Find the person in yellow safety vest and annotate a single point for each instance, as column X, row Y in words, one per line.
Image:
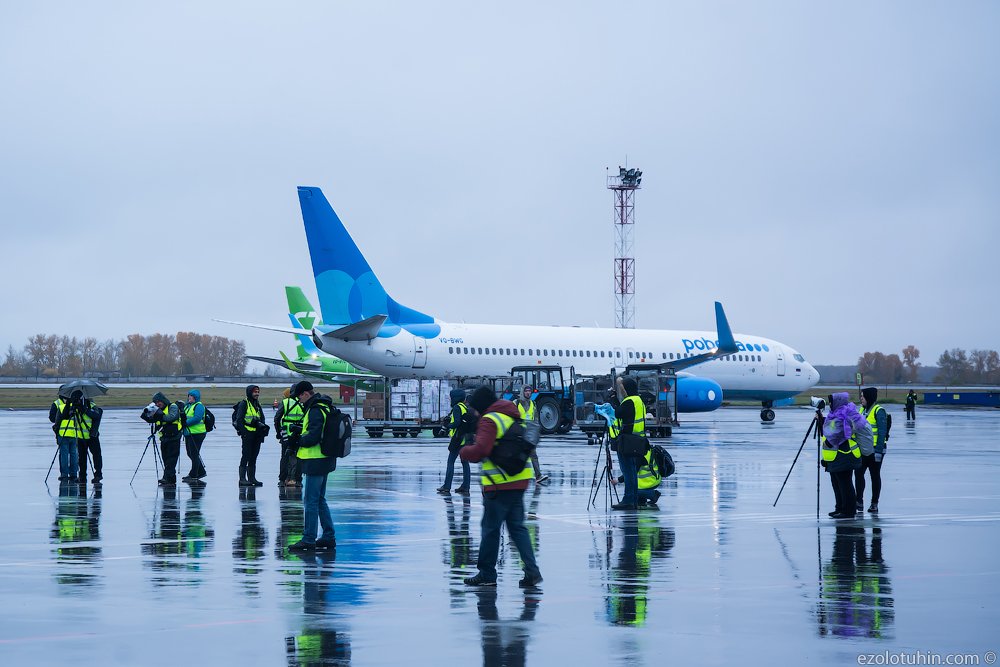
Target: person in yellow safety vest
column 252, row 429
column 65, row 417
column 911, row 406
column 503, row 495
column 316, row 468
column 194, row 435
column 876, row 416
column 461, row 425
column 649, row 479
column 526, row 408
column 630, row 417
column 89, row 441
column 166, row 418
column 840, row 452
column 289, row 414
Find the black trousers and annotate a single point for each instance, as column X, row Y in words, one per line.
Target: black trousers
column 875, row 468
column 911, row 413
column 288, row 468
column 192, row 444
column 843, row 491
column 170, row 451
column 93, row 445
column 248, row 460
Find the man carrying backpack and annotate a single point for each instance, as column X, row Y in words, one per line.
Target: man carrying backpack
column 194, row 435
column 459, row 433
column 315, row 466
column 252, row 429
column 166, row 418
column 503, row 495
column 878, row 419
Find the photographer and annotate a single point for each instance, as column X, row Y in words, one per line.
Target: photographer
column 461, row 426
column 64, row 415
column 840, row 451
column 165, row 417
column 89, row 440
column 316, row 466
column 630, row 417
column 289, row 415
column 252, row 429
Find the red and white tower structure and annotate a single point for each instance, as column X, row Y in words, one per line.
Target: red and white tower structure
column 623, row 186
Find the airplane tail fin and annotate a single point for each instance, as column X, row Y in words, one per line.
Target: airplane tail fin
column 299, row 306
column 304, row 347
column 349, row 291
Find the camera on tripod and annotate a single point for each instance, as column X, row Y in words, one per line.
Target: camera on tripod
column 817, row 402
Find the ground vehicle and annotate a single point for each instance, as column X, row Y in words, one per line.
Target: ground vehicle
column 656, row 389
column 552, row 396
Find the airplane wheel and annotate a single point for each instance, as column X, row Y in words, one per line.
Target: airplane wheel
column 548, row 415
column 767, row 415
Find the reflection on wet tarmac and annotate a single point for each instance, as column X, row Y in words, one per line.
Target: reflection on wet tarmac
column 505, row 641
column 76, row 534
column 249, row 543
column 855, row 594
column 642, row 540
column 459, row 551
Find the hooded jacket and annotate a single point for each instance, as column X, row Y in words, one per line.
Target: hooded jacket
column 198, row 416
column 241, row 411
column 313, row 436
column 839, row 427
column 486, row 437
column 166, row 416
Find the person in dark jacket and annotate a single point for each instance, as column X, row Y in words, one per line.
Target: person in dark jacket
column 630, row 417
column 90, row 441
column 461, row 427
column 252, row 429
column 316, row 468
column 503, row 495
column 841, row 455
column 911, row 406
column 289, row 413
column 166, row 418
column 879, row 421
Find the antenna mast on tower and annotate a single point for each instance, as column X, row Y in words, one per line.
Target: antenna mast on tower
column 623, row 186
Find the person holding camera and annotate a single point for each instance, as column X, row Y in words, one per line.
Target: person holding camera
column 841, row 453
column 307, row 437
column 630, row 418
column 252, row 429
column 503, row 495
column 165, row 417
column 194, row 435
column 65, row 418
column 89, row 440
column 289, row 414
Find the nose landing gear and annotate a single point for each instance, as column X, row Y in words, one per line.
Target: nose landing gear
column 766, row 413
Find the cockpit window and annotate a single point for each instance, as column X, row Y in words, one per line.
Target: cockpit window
column 799, row 358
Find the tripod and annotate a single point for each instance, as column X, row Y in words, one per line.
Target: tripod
column 606, row 476
column 817, row 424
column 156, row 454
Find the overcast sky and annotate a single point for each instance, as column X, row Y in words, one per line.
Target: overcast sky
column 829, row 171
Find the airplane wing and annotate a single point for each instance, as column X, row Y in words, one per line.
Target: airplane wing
column 288, row 330
column 727, row 345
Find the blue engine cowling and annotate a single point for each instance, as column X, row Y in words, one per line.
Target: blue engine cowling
column 698, row 394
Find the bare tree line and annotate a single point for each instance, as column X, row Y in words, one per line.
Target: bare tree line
column 955, row 366
column 183, row 353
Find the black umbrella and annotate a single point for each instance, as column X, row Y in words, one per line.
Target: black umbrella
column 89, row 388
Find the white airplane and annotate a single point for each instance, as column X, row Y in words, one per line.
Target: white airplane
column 368, row 328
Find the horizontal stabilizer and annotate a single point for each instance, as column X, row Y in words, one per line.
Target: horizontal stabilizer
column 294, row 366
column 365, row 330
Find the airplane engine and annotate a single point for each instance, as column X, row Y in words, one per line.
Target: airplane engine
column 698, row 394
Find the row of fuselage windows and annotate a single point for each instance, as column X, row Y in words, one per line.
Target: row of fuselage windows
column 640, row 356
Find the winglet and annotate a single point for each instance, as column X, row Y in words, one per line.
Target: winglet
column 365, row 330
column 727, row 344
column 288, row 362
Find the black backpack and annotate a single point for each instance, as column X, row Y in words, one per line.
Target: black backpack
column 663, row 461
column 236, row 424
column 512, row 451
column 888, row 424
column 336, row 442
column 209, row 420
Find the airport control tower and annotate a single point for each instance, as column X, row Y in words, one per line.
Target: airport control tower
column 624, row 186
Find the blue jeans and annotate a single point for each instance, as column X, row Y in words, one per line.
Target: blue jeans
column 630, row 471
column 501, row 507
column 315, row 509
column 69, row 464
column 646, row 495
column 450, row 471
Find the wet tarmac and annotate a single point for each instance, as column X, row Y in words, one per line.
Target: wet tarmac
column 136, row 575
